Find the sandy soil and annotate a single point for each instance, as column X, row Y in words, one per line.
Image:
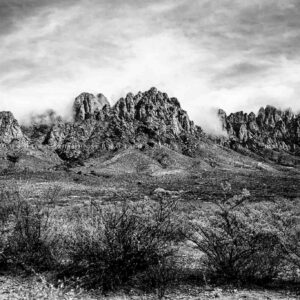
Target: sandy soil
column 35, row 288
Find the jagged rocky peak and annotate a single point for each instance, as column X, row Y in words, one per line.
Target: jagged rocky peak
column 267, row 116
column 10, row 131
column 151, row 107
column 222, row 116
column 271, row 115
column 146, row 118
column 154, row 108
column 87, row 105
column 271, row 129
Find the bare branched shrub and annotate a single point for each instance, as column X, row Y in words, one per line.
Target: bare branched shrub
column 285, row 217
column 8, row 199
column 236, row 238
column 120, row 241
column 30, row 242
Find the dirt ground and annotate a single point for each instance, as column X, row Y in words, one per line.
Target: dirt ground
column 19, row 288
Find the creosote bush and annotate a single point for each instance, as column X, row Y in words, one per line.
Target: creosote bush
column 285, row 217
column 121, row 241
column 29, row 241
column 237, row 239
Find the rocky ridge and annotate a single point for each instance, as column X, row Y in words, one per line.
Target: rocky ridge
column 147, row 119
column 271, row 133
column 139, row 120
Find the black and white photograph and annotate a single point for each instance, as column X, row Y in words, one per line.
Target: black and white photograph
column 150, row 149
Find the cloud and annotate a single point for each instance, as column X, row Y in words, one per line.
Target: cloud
column 235, row 55
column 245, row 69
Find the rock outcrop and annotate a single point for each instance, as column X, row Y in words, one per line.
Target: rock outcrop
column 270, row 133
column 87, row 105
column 147, row 119
column 11, row 135
column 142, row 119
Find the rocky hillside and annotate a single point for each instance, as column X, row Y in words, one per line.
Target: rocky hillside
column 139, row 120
column 148, row 119
column 272, row 133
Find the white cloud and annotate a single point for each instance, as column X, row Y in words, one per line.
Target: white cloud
column 113, row 48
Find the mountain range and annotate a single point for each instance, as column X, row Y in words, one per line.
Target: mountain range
column 145, row 121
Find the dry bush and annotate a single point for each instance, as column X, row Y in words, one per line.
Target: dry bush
column 103, row 245
column 29, row 241
column 7, row 200
column 121, row 241
column 285, row 217
column 237, row 239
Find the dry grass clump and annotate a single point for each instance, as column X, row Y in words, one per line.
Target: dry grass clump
column 37, row 287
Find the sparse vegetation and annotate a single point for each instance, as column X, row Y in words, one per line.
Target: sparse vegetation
column 108, row 245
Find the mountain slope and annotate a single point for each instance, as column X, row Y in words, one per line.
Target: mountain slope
column 272, row 133
column 157, row 133
column 146, row 118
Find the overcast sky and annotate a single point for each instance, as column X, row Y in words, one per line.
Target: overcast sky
column 235, row 54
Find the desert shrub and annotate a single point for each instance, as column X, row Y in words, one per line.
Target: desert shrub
column 285, row 217
column 121, row 241
column 6, row 209
column 30, row 242
column 237, row 239
column 7, row 204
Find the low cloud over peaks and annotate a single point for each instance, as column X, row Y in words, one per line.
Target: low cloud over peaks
column 236, row 55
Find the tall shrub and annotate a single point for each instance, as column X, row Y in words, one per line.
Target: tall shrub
column 236, row 239
column 121, row 241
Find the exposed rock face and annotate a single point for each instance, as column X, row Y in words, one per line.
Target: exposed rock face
column 11, row 134
column 270, row 133
column 145, row 118
column 87, row 105
column 40, row 125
